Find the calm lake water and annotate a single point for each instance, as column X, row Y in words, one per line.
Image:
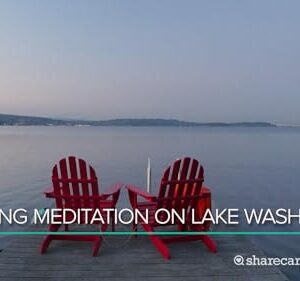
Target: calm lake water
column 245, row 167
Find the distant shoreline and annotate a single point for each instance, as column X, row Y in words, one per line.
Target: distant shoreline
column 19, row 120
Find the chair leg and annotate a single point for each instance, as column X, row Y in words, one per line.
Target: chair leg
column 113, row 227
column 181, row 227
column 210, row 244
column 98, row 240
column 45, row 244
column 97, row 245
column 48, row 239
column 158, row 243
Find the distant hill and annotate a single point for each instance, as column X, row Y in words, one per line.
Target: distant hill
column 18, row 120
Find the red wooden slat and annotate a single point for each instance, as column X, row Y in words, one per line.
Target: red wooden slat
column 192, row 176
column 56, row 187
column 181, row 184
column 84, row 185
column 194, row 168
column 65, row 186
column 94, row 187
column 74, row 183
column 162, row 189
column 74, row 176
column 94, row 181
column 193, row 173
column 188, row 189
column 197, row 187
column 171, row 187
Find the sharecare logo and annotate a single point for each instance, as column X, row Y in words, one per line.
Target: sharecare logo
column 265, row 261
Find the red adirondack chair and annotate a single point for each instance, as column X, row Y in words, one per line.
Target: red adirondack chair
column 75, row 186
column 181, row 187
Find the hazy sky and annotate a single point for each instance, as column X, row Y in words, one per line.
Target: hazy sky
column 191, row 60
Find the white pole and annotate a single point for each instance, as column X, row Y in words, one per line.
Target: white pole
column 149, row 176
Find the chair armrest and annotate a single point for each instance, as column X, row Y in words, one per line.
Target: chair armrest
column 205, row 191
column 49, row 193
column 205, row 188
column 112, row 192
column 139, row 192
column 113, row 189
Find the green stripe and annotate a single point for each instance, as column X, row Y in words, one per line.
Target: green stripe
column 161, row 233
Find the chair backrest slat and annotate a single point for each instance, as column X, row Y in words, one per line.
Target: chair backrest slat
column 65, row 188
column 74, row 175
column 171, row 187
column 56, row 187
column 84, row 176
column 180, row 186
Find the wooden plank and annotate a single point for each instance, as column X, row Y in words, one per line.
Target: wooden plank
column 89, row 276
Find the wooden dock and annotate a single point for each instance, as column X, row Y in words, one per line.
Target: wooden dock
column 128, row 258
